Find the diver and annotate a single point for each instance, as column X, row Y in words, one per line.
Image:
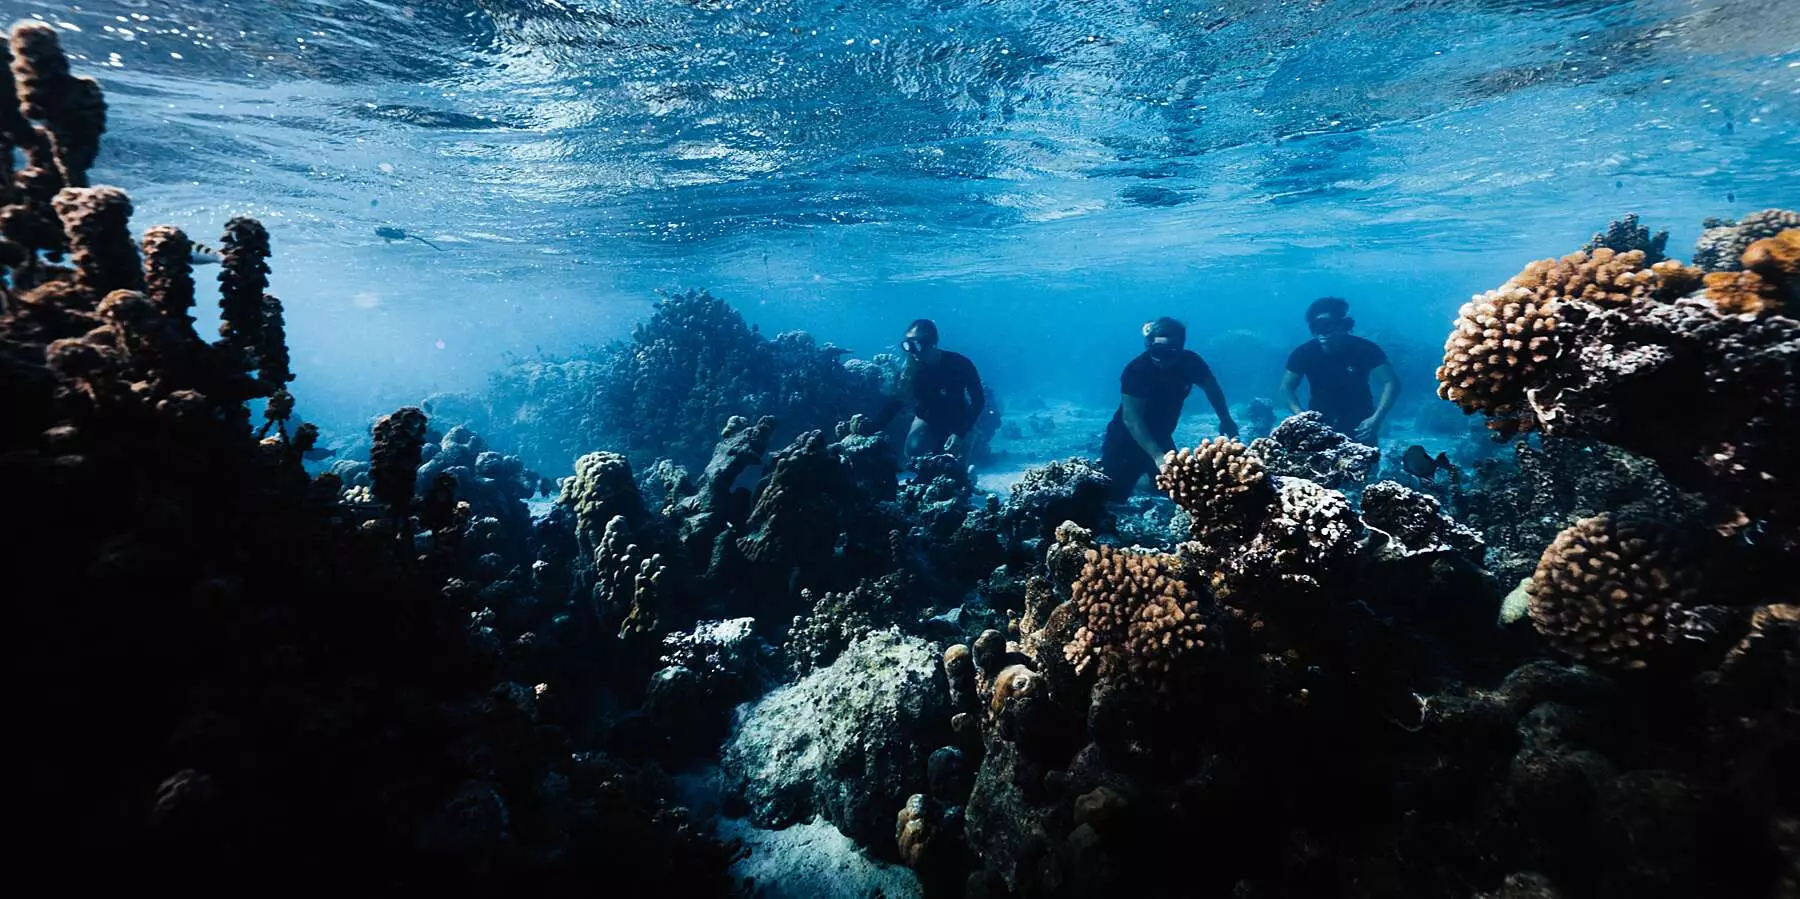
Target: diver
column 1337, row 366
column 1153, row 389
column 944, row 391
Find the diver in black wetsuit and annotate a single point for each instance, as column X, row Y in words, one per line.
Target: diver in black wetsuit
column 1153, row 389
column 1337, row 366
column 944, row 391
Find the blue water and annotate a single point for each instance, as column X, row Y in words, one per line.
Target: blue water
column 1040, row 178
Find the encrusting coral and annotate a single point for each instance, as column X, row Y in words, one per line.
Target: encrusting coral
column 1610, row 591
column 1304, row 446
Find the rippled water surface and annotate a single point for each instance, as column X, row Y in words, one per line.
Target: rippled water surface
column 808, row 156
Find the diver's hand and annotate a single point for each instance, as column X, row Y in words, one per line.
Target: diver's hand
column 1365, row 429
column 1228, row 427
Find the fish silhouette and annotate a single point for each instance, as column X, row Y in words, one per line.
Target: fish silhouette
column 1424, row 466
column 391, row 234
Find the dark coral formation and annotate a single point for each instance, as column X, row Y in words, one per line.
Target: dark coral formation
column 1722, row 242
column 1304, row 446
column 220, row 637
column 237, row 668
column 1626, row 235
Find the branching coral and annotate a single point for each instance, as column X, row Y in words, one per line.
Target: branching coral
column 1723, row 242
column 1769, row 279
column 1506, row 339
column 1141, row 619
column 1610, row 590
column 1626, row 235
column 1220, row 482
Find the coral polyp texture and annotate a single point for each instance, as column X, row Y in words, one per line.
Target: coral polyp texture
column 1219, row 480
column 1722, row 242
column 1506, row 338
column 1140, row 617
column 1627, row 234
column 1610, row 590
column 1768, row 280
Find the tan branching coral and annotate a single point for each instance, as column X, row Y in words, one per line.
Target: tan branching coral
column 1721, row 246
column 1609, row 590
column 1219, row 481
column 1606, row 278
column 1503, row 337
column 1140, row 616
column 1768, row 281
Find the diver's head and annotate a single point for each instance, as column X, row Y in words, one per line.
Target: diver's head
column 1164, row 339
column 1329, row 320
column 921, row 341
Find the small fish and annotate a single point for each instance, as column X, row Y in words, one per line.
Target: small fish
column 318, row 454
column 202, row 254
column 1423, row 465
column 392, row 234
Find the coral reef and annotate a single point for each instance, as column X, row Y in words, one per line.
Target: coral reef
column 1220, row 482
column 1139, row 618
column 848, row 742
column 1049, row 494
column 281, row 649
column 1609, row 590
column 1404, row 523
column 1722, row 242
column 1626, row 235
column 1304, row 446
column 1508, row 339
column 1769, row 279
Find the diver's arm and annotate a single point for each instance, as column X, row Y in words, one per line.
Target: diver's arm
column 886, row 416
column 1216, row 395
column 977, row 399
column 1132, row 411
column 1290, row 391
column 1390, row 389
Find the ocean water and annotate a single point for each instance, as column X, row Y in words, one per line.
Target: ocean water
column 1040, row 180
column 470, row 201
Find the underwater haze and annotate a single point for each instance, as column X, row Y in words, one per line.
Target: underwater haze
column 721, row 448
column 1039, row 178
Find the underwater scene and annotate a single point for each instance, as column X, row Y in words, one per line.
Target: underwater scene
column 951, row 449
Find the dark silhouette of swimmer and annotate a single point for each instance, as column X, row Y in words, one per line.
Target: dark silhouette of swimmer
column 1152, row 390
column 392, row 234
column 1337, row 367
column 942, row 388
